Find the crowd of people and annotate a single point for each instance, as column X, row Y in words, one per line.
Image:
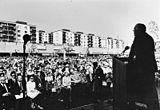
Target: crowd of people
column 55, row 77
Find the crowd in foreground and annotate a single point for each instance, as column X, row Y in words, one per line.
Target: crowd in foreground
column 65, row 81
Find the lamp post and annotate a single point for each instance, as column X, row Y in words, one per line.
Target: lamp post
column 26, row 38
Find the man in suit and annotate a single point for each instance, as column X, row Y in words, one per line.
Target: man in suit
column 142, row 67
column 17, row 89
column 5, row 95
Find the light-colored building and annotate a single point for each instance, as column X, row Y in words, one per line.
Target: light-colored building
column 56, row 37
column 61, row 37
column 104, row 43
column 22, row 28
column 84, row 40
column 109, row 43
column 95, row 41
column 69, row 37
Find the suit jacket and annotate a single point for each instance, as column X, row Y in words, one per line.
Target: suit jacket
column 2, row 91
column 15, row 88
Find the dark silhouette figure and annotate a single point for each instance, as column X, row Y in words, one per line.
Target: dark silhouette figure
column 98, row 77
column 141, row 70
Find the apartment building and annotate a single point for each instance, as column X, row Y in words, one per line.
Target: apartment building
column 42, row 37
column 60, row 37
column 56, row 37
column 104, row 43
column 95, row 41
column 7, row 31
column 33, row 33
column 22, row 28
column 90, row 40
column 84, row 40
column 77, row 38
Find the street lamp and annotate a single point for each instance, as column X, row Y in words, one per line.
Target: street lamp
column 26, row 38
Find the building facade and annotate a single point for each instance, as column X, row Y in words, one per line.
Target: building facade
column 22, row 28
column 103, row 43
column 77, row 38
column 90, row 40
column 96, row 41
column 61, row 37
column 7, row 31
column 33, row 33
column 84, row 40
column 42, row 37
column 14, row 31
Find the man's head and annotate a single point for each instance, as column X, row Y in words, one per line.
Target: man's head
column 13, row 74
column 139, row 28
column 19, row 77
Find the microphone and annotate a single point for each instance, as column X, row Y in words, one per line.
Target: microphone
column 126, row 48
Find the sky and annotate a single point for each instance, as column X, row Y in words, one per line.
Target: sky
column 104, row 18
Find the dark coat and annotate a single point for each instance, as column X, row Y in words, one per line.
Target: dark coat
column 5, row 100
column 15, row 89
column 142, row 63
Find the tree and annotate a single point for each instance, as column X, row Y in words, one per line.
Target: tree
column 154, row 29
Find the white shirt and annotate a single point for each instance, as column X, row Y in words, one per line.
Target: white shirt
column 66, row 81
column 32, row 92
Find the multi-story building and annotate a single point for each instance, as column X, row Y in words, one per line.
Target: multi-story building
column 42, row 37
column 77, row 38
column 46, row 38
column 14, row 31
column 22, row 28
column 33, row 33
column 84, row 40
column 56, row 37
column 61, row 37
column 7, row 31
column 50, row 38
column 68, row 37
column 90, row 40
column 115, row 42
column 109, row 42
column 95, row 41
column 103, row 43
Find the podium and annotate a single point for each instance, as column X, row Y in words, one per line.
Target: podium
column 119, row 83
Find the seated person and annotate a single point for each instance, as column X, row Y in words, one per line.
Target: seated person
column 17, row 90
column 33, row 93
column 5, row 95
